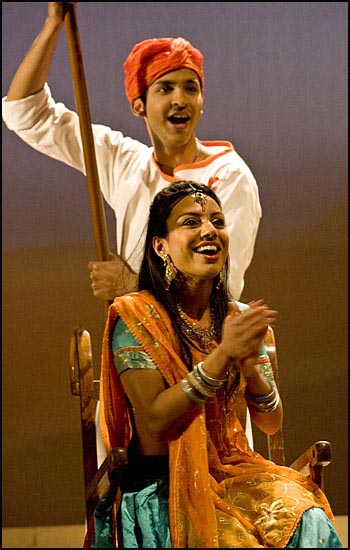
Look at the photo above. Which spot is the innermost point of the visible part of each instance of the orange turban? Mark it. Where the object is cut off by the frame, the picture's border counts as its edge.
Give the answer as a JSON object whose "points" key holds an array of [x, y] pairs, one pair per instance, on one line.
{"points": [[154, 57]]}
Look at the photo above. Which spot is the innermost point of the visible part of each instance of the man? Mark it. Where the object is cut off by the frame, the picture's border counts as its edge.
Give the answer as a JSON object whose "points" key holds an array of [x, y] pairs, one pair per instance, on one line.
{"points": [[164, 83]]}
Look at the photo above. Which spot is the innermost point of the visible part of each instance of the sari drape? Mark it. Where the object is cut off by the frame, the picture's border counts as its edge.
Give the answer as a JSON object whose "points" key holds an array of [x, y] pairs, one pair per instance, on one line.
{"points": [[222, 494]]}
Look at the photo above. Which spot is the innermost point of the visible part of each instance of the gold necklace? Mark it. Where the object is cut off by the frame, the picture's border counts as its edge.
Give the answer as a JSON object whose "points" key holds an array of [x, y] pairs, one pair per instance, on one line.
{"points": [[204, 336]]}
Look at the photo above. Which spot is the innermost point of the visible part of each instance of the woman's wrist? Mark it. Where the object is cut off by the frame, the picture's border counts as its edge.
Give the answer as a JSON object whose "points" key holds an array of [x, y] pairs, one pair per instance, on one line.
{"points": [[253, 375], [266, 402], [200, 386], [209, 379]]}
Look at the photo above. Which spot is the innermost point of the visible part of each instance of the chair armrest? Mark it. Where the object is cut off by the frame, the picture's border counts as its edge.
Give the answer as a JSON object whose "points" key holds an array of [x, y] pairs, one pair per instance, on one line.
{"points": [[109, 472], [313, 460]]}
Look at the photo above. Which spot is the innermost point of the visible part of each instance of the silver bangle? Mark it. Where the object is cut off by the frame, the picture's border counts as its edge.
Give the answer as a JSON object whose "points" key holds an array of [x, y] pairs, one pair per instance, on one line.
{"points": [[262, 398], [264, 403], [190, 392], [200, 386], [209, 380], [267, 408], [205, 384]]}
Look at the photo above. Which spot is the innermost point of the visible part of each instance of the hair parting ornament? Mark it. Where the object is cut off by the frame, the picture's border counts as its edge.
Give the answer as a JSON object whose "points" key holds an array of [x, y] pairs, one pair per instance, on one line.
{"points": [[199, 197]]}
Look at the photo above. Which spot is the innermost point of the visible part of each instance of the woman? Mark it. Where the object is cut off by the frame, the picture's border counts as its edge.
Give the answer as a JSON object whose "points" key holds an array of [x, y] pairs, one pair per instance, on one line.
{"points": [[180, 360]]}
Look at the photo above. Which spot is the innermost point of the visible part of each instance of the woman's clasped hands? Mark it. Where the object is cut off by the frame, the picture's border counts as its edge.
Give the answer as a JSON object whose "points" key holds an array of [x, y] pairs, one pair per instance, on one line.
{"points": [[243, 332]]}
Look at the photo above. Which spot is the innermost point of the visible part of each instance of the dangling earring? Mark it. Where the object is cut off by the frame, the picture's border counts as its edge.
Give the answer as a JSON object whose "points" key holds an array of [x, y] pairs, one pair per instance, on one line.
{"points": [[220, 281], [170, 270]]}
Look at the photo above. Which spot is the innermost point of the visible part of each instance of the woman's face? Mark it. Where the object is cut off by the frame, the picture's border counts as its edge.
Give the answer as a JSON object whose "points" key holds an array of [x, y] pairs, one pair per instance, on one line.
{"points": [[197, 239]]}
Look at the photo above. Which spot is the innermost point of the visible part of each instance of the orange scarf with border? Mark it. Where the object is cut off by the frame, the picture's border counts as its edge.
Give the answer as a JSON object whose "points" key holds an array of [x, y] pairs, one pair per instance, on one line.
{"points": [[222, 494]]}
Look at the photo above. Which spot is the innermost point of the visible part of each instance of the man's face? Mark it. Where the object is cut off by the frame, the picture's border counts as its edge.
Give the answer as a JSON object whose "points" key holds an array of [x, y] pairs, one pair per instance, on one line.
{"points": [[173, 108]]}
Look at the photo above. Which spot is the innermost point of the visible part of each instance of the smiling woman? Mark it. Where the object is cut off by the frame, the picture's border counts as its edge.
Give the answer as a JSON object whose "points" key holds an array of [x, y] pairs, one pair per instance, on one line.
{"points": [[196, 240], [179, 358]]}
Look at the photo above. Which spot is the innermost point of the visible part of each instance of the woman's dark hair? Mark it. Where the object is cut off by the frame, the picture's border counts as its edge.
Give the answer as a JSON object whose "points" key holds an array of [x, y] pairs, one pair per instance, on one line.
{"points": [[152, 270]]}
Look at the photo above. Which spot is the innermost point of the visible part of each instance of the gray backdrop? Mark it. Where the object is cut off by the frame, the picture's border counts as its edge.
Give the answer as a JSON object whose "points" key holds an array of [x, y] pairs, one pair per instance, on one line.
{"points": [[276, 86]]}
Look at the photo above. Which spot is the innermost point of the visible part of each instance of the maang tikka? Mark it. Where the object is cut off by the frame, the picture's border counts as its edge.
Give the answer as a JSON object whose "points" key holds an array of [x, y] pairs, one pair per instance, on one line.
{"points": [[199, 197], [170, 270]]}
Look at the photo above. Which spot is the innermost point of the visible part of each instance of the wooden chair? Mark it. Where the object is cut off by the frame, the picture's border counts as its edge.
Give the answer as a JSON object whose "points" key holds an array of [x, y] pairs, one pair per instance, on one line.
{"points": [[97, 477]]}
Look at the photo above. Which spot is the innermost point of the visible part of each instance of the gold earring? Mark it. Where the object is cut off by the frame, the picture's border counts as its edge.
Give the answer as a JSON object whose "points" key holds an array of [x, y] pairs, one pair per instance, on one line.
{"points": [[170, 270], [220, 281]]}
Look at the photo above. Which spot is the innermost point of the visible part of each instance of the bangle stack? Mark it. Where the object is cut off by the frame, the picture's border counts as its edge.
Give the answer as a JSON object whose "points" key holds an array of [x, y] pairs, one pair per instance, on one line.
{"points": [[264, 403], [209, 380], [192, 394], [199, 386]]}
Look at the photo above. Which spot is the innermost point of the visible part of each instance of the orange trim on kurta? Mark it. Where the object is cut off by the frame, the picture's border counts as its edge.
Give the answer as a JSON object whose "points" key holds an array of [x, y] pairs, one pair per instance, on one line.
{"points": [[200, 164]]}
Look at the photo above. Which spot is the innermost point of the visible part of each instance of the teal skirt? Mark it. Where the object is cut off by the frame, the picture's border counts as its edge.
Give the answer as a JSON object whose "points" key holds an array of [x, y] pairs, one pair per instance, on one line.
{"points": [[144, 515]]}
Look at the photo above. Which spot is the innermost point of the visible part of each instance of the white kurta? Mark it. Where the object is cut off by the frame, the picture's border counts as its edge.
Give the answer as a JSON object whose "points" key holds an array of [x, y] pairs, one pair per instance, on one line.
{"points": [[129, 176]]}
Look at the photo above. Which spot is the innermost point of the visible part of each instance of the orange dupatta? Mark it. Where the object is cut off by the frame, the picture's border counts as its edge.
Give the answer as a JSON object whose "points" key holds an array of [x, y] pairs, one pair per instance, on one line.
{"points": [[221, 493]]}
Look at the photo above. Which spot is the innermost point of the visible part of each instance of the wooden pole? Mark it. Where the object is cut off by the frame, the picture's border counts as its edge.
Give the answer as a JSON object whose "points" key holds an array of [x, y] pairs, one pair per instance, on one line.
{"points": [[101, 241], [82, 106]]}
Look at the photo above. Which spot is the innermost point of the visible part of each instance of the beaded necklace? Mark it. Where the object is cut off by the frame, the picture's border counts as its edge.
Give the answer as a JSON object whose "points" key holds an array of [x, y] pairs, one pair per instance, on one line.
{"points": [[204, 336]]}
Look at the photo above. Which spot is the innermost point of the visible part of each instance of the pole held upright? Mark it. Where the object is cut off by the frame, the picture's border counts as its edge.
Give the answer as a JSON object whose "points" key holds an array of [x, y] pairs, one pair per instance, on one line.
{"points": [[83, 110]]}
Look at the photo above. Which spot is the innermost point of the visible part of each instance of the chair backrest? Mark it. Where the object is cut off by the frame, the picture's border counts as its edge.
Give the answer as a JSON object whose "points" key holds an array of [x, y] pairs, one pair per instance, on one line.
{"points": [[275, 442], [82, 385]]}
